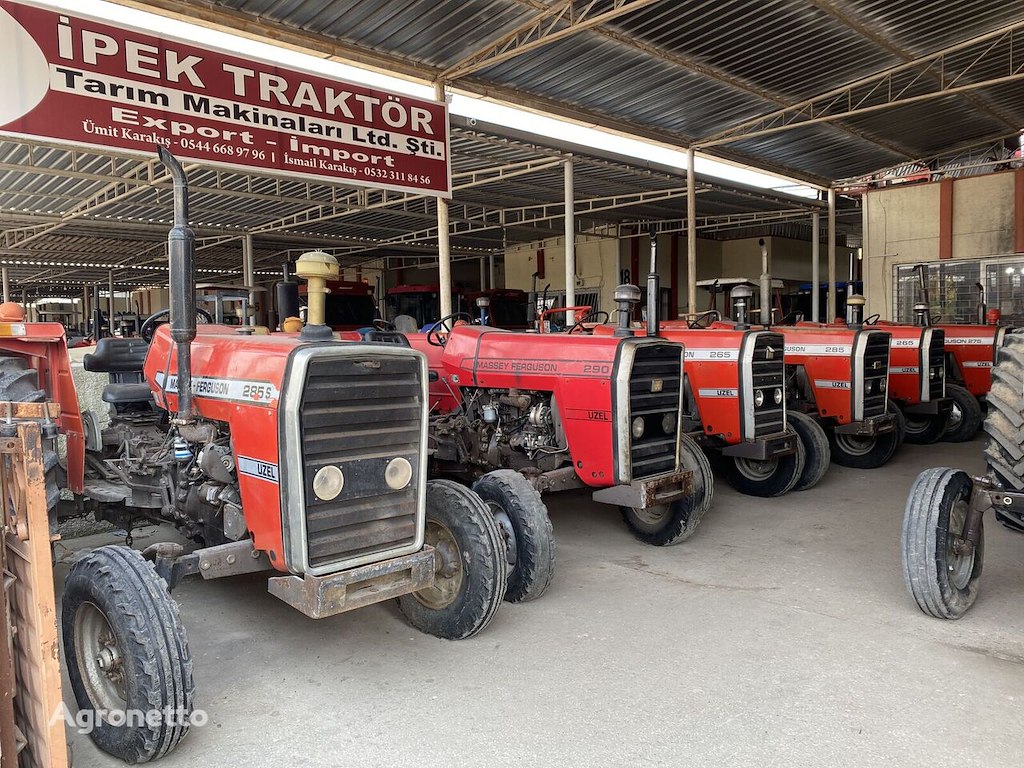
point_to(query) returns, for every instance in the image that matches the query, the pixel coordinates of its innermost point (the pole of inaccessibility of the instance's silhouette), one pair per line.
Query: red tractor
(290, 454)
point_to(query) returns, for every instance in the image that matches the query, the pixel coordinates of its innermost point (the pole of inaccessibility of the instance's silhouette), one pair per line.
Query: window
(953, 289)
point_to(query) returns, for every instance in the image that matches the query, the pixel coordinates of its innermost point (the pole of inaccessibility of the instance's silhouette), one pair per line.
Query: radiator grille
(876, 372)
(936, 364)
(768, 373)
(656, 450)
(359, 413)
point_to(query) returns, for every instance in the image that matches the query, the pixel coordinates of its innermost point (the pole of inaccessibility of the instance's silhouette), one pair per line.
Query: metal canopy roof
(818, 89)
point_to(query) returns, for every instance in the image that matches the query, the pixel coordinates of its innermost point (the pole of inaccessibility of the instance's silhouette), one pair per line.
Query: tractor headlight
(936, 374)
(777, 396)
(668, 423)
(759, 398)
(881, 385)
(328, 482)
(398, 473)
(638, 427)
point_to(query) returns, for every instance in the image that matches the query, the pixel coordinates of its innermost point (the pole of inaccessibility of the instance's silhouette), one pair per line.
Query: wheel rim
(100, 659)
(508, 532)
(653, 516)
(955, 417)
(448, 573)
(756, 469)
(855, 445)
(916, 426)
(960, 564)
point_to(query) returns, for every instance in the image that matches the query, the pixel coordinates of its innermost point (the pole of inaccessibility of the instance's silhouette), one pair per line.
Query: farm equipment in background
(293, 455)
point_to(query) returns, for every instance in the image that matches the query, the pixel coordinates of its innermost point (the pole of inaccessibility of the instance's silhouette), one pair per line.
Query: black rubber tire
(20, 384)
(676, 522)
(816, 447)
(923, 430)
(151, 641)
(1004, 424)
(901, 421)
(868, 453)
(511, 496)
(934, 497)
(971, 416)
(481, 551)
(782, 479)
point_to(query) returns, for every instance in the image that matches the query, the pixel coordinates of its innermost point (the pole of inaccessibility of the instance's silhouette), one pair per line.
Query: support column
(24, 304)
(691, 233)
(491, 281)
(85, 309)
(248, 276)
(816, 267)
(444, 247)
(110, 302)
(483, 274)
(831, 305)
(7, 284)
(570, 244)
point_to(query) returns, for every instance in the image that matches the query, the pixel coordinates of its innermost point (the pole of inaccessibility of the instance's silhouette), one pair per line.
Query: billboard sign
(80, 81)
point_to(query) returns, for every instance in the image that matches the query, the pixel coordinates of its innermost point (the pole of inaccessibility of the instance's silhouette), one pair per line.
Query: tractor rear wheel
(923, 430)
(1004, 424)
(940, 572)
(673, 523)
(768, 477)
(20, 384)
(127, 654)
(526, 530)
(965, 418)
(816, 447)
(471, 571)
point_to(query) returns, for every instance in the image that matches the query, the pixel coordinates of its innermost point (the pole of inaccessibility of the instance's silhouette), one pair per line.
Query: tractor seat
(405, 324)
(113, 355)
(120, 394)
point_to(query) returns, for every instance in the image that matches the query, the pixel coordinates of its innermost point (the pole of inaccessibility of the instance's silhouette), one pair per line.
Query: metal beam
(570, 243)
(552, 23)
(928, 77)
(691, 229)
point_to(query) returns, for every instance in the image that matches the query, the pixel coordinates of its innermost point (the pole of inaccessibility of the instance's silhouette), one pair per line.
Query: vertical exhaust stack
(653, 288)
(766, 286)
(181, 248)
(922, 310)
(982, 307)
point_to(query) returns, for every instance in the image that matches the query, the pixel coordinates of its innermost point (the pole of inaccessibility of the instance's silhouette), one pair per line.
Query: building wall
(597, 265)
(902, 226)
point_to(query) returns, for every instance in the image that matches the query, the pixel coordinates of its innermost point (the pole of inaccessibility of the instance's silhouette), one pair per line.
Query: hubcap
(755, 469)
(652, 515)
(855, 445)
(955, 417)
(448, 571)
(508, 533)
(100, 659)
(916, 425)
(959, 563)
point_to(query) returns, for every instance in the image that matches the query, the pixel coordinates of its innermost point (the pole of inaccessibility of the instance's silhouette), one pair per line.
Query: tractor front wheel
(768, 477)
(941, 569)
(127, 654)
(923, 430)
(965, 418)
(526, 530)
(861, 452)
(672, 523)
(816, 447)
(471, 573)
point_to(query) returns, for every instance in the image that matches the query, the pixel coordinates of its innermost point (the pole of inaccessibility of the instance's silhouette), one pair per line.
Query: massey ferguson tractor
(943, 537)
(295, 455)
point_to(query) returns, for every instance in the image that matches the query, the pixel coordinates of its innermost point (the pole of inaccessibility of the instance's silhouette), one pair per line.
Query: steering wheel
(704, 319)
(383, 325)
(579, 327)
(149, 325)
(872, 319)
(445, 324)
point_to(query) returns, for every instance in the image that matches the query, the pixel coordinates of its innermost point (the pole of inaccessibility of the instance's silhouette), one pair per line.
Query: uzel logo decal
(829, 384)
(978, 364)
(239, 390)
(904, 369)
(718, 393)
(261, 470)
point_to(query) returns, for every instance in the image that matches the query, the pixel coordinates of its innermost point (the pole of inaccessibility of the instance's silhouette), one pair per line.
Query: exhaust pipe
(653, 288)
(982, 308)
(922, 310)
(766, 286)
(181, 247)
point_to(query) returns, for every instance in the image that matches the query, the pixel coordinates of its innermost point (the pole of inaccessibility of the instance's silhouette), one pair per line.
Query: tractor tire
(772, 477)
(923, 430)
(966, 417)
(901, 422)
(942, 582)
(127, 653)
(1004, 452)
(20, 384)
(526, 531)
(472, 573)
(818, 455)
(673, 523)
(868, 452)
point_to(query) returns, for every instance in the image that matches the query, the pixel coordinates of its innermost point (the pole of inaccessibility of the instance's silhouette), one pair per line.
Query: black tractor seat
(113, 355)
(119, 394)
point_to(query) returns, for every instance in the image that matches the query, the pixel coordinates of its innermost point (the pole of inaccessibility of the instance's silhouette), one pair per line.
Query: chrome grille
(936, 361)
(767, 375)
(876, 373)
(358, 413)
(655, 389)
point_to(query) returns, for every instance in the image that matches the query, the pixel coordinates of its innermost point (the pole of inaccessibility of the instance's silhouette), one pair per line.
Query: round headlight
(759, 398)
(328, 482)
(668, 423)
(777, 396)
(881, 385)
(638, 427)
(398, 473)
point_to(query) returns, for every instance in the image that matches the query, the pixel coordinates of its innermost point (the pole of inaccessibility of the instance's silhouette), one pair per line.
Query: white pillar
(691, 233)
(444, 248)
(816, 267)
(7, 284)
(110, 302)
(248, 275)
(570, 243)
(831, 255)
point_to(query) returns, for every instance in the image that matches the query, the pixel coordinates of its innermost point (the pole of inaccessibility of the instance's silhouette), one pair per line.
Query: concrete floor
(780, 634)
